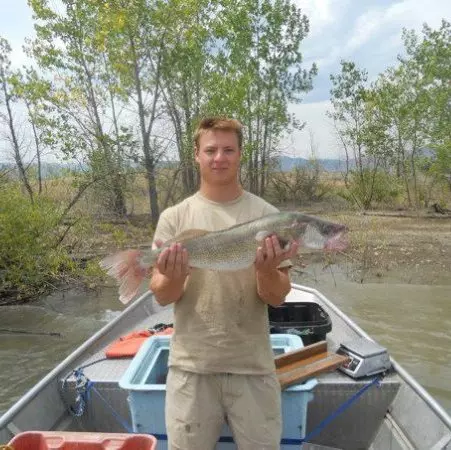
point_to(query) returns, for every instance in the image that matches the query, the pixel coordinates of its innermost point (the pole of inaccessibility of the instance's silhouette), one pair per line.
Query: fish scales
(223, 251)
(234, 248)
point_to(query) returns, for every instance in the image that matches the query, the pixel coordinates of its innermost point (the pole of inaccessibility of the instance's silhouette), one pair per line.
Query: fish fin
(313, 238)
(262, 235)
(126, 268)
(188, 234)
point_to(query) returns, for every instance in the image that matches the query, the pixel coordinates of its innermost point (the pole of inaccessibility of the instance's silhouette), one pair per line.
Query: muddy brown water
(412, 321)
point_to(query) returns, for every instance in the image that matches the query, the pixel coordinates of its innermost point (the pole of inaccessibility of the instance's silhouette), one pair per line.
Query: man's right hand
(169, 274)
(173, 262)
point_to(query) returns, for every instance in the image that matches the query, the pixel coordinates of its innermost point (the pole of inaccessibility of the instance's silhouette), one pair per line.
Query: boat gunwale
(10, 413)
(403, 373)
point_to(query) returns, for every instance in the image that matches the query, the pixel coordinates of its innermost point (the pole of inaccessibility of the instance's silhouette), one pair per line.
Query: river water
(412, 321)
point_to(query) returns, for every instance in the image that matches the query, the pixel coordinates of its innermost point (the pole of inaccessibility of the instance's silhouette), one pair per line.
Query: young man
(221, 365)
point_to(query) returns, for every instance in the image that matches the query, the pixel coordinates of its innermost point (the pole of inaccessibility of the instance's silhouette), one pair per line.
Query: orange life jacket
(127, 346)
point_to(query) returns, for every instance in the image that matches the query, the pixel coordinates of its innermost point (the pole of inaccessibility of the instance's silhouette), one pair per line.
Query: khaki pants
(197, 406)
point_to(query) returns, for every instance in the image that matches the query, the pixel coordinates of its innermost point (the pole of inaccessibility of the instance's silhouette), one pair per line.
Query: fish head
(315, 233)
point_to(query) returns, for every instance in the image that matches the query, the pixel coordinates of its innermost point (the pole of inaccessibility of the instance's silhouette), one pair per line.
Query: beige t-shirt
(220, 323)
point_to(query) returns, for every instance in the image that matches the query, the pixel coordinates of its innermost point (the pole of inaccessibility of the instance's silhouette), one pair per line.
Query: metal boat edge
(65, 363)
(403, 373)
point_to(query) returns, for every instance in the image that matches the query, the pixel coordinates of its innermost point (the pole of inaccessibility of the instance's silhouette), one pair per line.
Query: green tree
(33, 91)
(129, 35)
(189, 31)
(428, 61)
(413, 104)
(393, 101)
(66, 52)
(264, 62)
(32, 258)
(242, 59)
(358, 129)
(7, 99)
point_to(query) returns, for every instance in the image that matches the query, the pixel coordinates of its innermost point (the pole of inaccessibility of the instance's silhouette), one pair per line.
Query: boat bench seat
(355, 427)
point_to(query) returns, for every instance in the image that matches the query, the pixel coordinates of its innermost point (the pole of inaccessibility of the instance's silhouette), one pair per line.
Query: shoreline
(384, 247)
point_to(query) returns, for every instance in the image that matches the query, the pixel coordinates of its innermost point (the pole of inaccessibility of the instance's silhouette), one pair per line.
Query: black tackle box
(305, 319)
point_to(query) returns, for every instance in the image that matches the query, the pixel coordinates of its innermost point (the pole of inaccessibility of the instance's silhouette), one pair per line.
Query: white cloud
(319, 13)
(378, 29)
(18, 57)
(322, 13)
(332, 57)
(16, 23)
(367, 25)
(321, 128)
(376, 23)
(412, 14)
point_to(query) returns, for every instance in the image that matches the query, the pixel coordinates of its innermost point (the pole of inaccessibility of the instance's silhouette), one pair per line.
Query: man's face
(218, 156)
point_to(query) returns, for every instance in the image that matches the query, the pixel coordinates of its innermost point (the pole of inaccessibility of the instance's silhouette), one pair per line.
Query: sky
(367, 32)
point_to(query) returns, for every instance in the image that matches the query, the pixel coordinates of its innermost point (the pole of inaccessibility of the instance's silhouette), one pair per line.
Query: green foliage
(262, 71)
(430, 61)
(31, 259)
(300, 186)
(166, 64)
(93, 270)
(367, 187)
(401, 123)
(360, 130)
(81, 120)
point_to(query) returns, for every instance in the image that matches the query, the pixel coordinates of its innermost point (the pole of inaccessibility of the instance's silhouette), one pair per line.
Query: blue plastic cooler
(145, 381)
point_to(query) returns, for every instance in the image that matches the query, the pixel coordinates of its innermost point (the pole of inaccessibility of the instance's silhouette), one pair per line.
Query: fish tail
(127, 269)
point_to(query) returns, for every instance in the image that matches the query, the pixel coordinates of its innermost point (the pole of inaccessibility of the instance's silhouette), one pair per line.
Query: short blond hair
(218, 123)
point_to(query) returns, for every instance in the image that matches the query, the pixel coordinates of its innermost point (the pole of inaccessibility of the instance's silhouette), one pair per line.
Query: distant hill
(48, 169)
(287, 163)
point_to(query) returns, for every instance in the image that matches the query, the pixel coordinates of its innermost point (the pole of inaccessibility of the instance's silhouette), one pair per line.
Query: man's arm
(273, 283)
(274, 286)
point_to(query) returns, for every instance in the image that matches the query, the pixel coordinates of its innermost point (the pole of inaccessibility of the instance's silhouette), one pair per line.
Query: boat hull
(399, 412)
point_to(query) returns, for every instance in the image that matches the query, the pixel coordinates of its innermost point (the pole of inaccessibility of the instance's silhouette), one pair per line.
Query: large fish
(233, 248)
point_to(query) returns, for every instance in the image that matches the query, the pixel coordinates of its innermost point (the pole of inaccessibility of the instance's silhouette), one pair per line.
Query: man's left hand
(271, 255)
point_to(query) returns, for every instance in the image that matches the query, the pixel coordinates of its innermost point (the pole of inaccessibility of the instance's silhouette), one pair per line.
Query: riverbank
(392, 248)
(383, 246)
